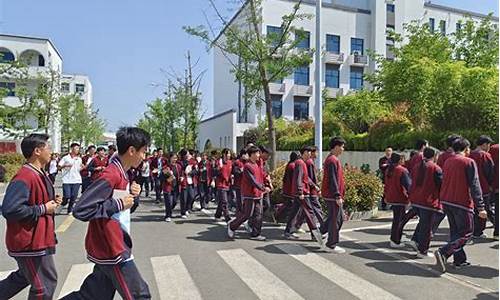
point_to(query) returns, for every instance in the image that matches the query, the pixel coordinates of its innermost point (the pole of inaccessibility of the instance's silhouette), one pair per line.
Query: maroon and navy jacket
(195, 173)
(30, 230)
(444, 156)
(106, 242)
(95, 163)
(169, 171)
(300, 179)
(313, 181)
(155, 164)
(85, 160)
(183, 165)
(333, 185)
(397, 185)
(238, 166)
(223, 174)
(461, 187)
(252, 183)
(287, 180)
(205, 170)
(485, 169)
(414, 161)
(426, 195)
(494, 156)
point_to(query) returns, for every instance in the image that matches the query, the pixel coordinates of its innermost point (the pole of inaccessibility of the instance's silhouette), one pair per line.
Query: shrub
(12, 162)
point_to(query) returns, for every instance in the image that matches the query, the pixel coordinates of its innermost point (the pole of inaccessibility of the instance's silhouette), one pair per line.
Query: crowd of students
(458, 183)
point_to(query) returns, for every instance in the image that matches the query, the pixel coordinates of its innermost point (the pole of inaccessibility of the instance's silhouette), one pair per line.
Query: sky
(126, 46)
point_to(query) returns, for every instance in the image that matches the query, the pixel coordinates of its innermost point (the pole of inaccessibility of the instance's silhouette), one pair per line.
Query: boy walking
(71, 164)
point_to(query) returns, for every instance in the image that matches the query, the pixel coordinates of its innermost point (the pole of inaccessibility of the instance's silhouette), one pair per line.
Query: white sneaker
(217, 219)
(184, 216)
(187, 213)
(396, 246)
(319, 238)
(412, 244)
(247, 227)
(196, 205)
(426, 255)
(338, 250)
(300, 231)
(291, 236)
(206, 212)
(258, 238)
(168, 219)
(230, 233)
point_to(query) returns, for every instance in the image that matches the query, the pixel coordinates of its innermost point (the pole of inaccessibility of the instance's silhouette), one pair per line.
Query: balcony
(334, 92)
(359, 60)
(302, 90)
(277, 88)
(334, 58)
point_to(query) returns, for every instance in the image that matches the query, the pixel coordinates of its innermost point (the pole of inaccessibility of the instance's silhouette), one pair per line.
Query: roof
(33, 38)
(458, 10)
(218, 115)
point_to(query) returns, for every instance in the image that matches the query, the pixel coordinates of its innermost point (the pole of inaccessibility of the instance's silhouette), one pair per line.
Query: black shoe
(440, 261)
(462, 265)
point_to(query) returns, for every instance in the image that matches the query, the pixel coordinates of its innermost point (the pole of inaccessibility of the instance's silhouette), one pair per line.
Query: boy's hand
(340, 201)
(135, 189)
(128, 201)
(483, 214)
(50, 207)
(58, 199)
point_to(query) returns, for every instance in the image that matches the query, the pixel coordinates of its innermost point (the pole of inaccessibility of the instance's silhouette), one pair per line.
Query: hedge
(12, 162)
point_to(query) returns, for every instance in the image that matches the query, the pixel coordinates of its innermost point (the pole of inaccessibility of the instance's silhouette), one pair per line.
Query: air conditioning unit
(356, 53)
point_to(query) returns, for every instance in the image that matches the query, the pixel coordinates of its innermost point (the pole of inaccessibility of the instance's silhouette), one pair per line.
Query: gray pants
(37, 271)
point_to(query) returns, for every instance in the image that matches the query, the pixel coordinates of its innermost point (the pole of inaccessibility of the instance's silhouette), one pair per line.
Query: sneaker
(291, 236)
(187, 213)
(462, 265)
(482, 236)
(424, 255)
(184, 216)
(300, 231)
(396, 246)
(247, 227)
(258, 238)
(168, 219)
(217, 219)
(412, 244)
(206, 212)
(319, 238)
(230, 233)
(495, 237)
(196, 205)
(440, 260)
(337, 249)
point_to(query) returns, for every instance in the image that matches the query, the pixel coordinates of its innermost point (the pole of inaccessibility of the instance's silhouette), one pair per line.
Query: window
(277, 106)
(300, 108)
(356, 78)
(442, 27)
(305, 41)
(9, 87)
(432, 24)
(41, 61)
(80, 88)
(65, 87)
(6, 56)
(459, 27)
(333, 43)
(357, 46)
(390, 8)
(274, 33)
(301, 76)
(332, 76)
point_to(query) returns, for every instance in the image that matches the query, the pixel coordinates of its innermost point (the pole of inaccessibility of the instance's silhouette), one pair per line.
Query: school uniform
(396, 189)
(96, 162)
(170, 188)
(85, 173)
(30, 236)
(287, 193)
(383, 164)
(494, 187)
(205, 176)
(424, 198)
(266, 198)
(108, 242)
(443, 157)
(222, 184)
(460, 194)
(187, 188)
(486, 172)
(195, 177)
(144, 178)
(252, 188)
(237, 171)
(157, 164)
(333, 188)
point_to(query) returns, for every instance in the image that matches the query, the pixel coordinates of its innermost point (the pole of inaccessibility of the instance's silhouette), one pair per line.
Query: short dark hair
(243, 152)
(305, 148)
(171, 154)
(484, 139)
(158, 149)
(112, 147)
(460, 144)
(395, 158)
(263, 149)
(182, 153)
(33, 141)
(430, 152)
(225, 151)
(421, 143)
(253, 149)
(336, 141)
(74, 145)
(451, 138)
(127, 137)
(293, 156)
(100, 149)
(314, 148)
(90, 147)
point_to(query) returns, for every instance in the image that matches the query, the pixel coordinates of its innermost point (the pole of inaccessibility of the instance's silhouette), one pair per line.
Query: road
(193, 259)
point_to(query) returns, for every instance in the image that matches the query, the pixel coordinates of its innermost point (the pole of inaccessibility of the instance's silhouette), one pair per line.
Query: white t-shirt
(53, 166)
(145, 169)
(71, 174)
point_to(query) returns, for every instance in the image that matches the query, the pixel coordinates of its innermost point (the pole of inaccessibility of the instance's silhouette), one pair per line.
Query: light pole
(318, 128)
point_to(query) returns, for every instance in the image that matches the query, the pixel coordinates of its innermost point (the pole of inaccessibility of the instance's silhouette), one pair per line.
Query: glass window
(9, 87)
(390, 7)
(332, 76)
(65, 87)
(274, 33)
(333, 43)
(41, 61)
(80, 88)
(277, 106)
(6, 56)
(432, 24)
(459, 26)
(356, 78)
(442, 27)
(357, 46)
(301, 76)
(300, 108)
(305, 41)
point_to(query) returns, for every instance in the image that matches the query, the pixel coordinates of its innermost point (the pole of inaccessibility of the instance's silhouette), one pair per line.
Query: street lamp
(318, 128)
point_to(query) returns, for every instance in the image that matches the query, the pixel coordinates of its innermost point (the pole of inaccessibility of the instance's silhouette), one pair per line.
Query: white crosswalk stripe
(352, 283)
(4, 274)
(75, 278)
(257, 277)
(173, 279)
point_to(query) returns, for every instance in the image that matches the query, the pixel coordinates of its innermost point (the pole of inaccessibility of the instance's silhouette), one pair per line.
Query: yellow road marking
(65, 224)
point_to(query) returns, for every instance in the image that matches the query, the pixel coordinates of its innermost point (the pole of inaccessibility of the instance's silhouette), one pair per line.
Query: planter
(361, 215)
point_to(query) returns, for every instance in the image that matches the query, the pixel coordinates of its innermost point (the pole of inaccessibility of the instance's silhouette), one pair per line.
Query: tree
(258, 59)
(48, 93)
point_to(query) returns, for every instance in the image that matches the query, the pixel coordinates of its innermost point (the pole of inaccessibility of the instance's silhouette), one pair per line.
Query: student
(29, 205)
(264, 157)
(222, 182)
(157, 166)
(460, 194)
(287, 192)
(105, 205)
(71, 164)
(397, 183)
(84, 171)
(486, 172)
(205, 169)
(111, 151)
(333, 189)
(314, 187)
(494, 202)
(449, 151)
(144, 179)
(171, 188)
(417, 158)
(426, 181)
(186, 181)
(153, 157)
(52, 167)
(194, 180)
(252, 189)
(237, 171)
(301, 192)
(98, 164)
(383, 164)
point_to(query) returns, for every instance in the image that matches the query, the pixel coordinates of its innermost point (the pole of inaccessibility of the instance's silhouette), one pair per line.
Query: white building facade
(41, 56)
(349, 29)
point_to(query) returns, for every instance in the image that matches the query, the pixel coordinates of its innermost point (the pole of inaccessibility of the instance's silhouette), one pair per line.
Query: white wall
(220, 131)
(73, 80)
